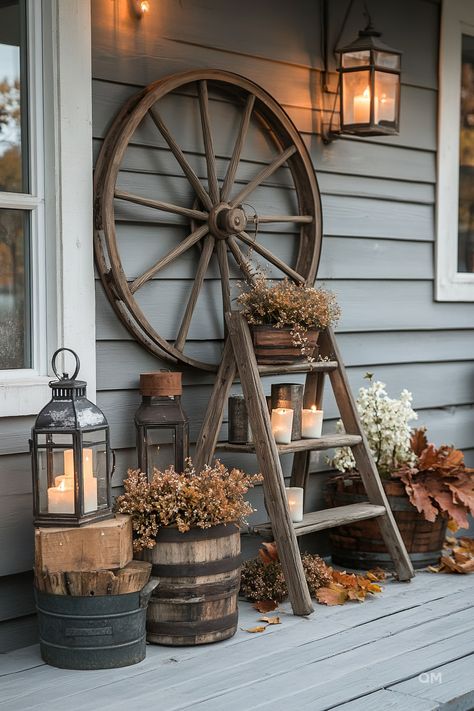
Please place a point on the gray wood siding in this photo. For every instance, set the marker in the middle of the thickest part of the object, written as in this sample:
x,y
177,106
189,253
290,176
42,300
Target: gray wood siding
x,y
378,210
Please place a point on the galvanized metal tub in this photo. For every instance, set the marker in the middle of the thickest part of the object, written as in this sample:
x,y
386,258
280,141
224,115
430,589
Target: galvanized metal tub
x,y
102,632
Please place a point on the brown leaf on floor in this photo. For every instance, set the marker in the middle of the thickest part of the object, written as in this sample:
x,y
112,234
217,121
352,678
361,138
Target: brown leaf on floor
x,y
261,628
458,556
333,595
265,605
376,574
270,620
268,553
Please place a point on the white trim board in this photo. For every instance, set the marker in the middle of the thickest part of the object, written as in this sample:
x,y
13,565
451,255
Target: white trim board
x,y
63,298
457,18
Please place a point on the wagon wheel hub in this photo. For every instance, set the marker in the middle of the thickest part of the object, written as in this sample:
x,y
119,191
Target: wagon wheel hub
x,y
225,220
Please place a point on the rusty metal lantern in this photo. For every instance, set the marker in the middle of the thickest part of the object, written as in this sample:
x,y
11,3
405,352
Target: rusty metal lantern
x,y
369,85
162,427
71,456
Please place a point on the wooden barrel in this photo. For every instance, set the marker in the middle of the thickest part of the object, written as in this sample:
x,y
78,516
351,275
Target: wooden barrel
x,y
199,576
359,545
274,346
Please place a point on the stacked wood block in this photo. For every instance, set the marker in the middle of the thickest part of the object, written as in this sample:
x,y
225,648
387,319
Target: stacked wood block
x,y
90,560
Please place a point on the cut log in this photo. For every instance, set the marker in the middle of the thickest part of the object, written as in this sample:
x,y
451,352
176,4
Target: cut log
x,y
103,545
130,579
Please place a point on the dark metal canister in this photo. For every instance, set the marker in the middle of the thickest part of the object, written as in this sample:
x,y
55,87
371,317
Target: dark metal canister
x,y
239,430
289,396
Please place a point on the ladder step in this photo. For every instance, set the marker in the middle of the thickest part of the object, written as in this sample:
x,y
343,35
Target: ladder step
x,y
324,366
298,445
328,518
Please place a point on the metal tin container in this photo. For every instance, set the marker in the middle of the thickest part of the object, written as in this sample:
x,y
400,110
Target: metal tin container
x,y
289,396
102,632
239,427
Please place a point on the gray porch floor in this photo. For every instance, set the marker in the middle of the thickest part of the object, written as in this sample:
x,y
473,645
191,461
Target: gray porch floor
x,y
411,648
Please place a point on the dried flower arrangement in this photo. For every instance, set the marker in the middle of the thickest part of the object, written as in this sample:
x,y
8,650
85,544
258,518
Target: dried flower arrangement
x,y
286,304
189,499
262,580
386,423
438,482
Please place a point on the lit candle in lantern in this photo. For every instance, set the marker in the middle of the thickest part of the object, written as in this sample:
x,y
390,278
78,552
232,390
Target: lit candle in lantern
x,y
384,109
294,495
90,482
61,497
362,107
312,422
282,422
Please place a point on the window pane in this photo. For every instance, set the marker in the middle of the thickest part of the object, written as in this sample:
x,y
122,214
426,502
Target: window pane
x,y
14,290
13,151
466,159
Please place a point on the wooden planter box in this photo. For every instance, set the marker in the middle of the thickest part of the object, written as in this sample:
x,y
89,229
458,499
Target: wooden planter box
x,y
274,346
359,545
199,575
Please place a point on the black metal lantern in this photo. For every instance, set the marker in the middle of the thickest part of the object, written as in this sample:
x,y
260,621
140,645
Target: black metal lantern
x,y
70,453
369,85
161,424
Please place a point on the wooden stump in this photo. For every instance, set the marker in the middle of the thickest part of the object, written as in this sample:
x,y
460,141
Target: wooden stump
x,y
99,546
130,579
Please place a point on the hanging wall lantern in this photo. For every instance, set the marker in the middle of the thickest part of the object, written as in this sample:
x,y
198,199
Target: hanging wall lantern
x,y
70,456
369,85
161,424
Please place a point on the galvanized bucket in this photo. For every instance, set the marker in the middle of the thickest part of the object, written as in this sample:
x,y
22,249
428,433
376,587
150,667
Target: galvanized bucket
x,y
102,632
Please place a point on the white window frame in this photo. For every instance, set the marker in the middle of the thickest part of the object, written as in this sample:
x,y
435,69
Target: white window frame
x,y
61,203
457,18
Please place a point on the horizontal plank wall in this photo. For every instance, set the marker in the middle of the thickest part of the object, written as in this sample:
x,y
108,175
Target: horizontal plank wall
x,y
378,208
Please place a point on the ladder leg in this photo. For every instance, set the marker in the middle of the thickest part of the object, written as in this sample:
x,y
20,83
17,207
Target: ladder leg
x,y
365,463
270,467
206,442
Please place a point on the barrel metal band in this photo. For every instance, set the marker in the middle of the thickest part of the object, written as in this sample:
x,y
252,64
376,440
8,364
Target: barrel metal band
x,y
191,629
187,570
170,534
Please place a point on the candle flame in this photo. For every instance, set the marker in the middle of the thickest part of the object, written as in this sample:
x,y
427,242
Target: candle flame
x,y
366,93
62,485
313,408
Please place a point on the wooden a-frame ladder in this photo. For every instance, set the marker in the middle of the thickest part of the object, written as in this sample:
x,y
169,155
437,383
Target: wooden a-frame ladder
x,y
238,359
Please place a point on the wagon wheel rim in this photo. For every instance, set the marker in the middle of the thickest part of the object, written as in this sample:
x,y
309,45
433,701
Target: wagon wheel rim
x,y
218,221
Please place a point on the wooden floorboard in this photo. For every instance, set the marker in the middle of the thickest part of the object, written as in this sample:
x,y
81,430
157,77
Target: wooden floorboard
x,y
340,657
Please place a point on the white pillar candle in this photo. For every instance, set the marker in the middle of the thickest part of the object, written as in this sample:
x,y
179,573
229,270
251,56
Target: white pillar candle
x,y
384,109
61,498
282,422
65,483
361,107
312,423
294,494
86,462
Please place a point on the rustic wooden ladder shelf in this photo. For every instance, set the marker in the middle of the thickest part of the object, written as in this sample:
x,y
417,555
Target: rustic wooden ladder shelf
x,y
239,363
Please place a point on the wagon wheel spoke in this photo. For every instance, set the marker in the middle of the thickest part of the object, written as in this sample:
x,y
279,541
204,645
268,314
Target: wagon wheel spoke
x,y
170,257
269,256
263,175
204,259
159,205
225,280
298,219
179,155
240,258
208,147
234,161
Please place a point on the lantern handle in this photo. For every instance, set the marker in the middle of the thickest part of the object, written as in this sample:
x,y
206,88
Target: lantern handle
x,y
65,376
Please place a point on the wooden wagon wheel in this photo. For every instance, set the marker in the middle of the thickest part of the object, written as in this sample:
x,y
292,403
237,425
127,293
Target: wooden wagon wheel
x,y
218,216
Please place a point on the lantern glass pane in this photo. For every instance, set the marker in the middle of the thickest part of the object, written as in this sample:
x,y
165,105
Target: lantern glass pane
x,y
386,98
161,448
356,97
56,490
355,59
94,469
387,60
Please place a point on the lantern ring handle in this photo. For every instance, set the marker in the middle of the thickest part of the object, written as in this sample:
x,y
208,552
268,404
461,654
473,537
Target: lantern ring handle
x,y
65,376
